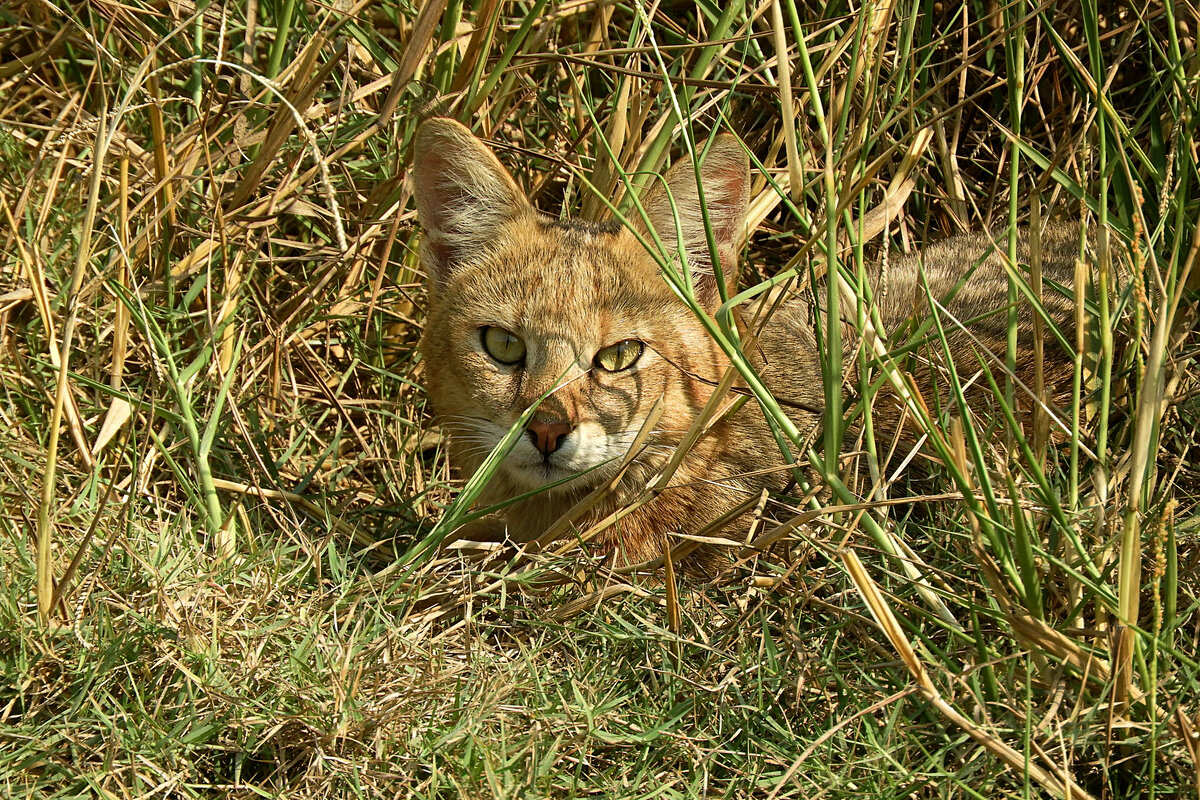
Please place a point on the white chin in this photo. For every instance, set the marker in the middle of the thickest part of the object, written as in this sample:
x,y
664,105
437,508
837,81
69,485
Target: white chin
x,y
537,476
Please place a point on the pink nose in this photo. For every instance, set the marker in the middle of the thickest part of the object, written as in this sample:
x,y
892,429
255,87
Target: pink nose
x,y
548,436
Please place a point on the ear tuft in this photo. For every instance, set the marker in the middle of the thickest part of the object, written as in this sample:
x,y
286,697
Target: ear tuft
x,y
725,181
464,195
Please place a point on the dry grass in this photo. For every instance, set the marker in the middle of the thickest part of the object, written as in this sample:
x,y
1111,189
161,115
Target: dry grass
x,y
210,572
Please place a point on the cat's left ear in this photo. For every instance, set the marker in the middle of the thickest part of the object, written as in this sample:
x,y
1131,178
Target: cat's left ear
x,y
725,181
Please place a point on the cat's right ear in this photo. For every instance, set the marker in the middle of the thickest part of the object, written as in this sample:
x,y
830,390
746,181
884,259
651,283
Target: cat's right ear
x,y
464,195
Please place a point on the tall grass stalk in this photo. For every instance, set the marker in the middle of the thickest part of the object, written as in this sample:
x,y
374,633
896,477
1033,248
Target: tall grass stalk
x,y
45,513
218,295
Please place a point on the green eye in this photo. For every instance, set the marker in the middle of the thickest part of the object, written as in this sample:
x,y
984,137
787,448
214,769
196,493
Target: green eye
x,y
504,346
619,356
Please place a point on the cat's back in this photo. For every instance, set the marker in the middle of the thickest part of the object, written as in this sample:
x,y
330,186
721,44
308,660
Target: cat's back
x,y
967,277
965,281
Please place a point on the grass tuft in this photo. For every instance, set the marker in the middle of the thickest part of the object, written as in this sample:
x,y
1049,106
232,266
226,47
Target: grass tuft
x,y
218,480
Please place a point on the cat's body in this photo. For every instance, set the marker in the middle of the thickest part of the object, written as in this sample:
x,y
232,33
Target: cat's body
x,y
523,307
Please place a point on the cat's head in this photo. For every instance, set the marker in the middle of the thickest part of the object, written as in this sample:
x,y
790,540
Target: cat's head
x,y
524,307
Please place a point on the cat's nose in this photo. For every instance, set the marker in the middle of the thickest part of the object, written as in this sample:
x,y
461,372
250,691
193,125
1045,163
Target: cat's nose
x,y
548,436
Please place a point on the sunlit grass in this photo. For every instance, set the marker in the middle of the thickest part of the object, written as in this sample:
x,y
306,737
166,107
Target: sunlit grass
x,y
217,528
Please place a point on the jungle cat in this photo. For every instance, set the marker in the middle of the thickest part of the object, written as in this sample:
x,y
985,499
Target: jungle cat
x,y
523,305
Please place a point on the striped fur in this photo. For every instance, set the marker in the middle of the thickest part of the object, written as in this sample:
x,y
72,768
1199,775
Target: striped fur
x,y
569,289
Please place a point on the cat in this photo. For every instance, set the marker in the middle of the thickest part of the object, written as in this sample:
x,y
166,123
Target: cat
x,y
524,307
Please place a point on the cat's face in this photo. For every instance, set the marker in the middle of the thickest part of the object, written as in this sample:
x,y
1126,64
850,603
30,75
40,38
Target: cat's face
x,y
578,317
573,317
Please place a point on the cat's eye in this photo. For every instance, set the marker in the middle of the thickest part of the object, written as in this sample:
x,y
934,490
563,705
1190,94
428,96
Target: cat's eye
x,y
619,356
504,346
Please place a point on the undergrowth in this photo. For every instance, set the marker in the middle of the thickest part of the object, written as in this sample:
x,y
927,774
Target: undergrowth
x,y
216,468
